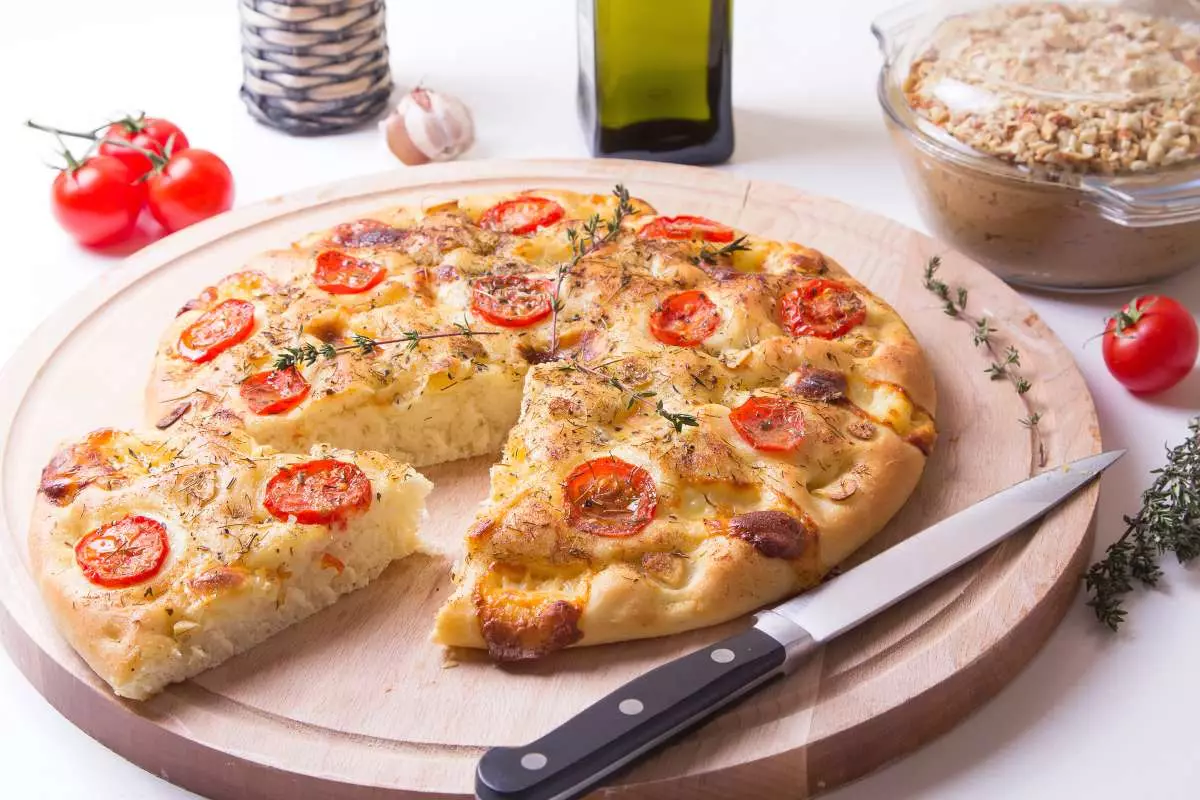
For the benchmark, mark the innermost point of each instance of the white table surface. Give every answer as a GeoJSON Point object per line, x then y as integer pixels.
{"type": "Point", "coordinates": [1093, 715]}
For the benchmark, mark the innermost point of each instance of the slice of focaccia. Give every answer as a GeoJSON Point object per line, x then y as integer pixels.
{"type": "Point", "coordinates": [160, 556]}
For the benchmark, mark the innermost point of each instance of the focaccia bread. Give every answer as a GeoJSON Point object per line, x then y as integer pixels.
{"type": "Point", "coordinates": [160, 556]}
{"type": "Point", "coordinates": [709, 421]}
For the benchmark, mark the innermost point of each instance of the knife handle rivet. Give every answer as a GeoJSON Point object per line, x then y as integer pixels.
{"type": "Point", "coordinates": [722, 655]}
{"type": "Point", "coordinates": [533, 761]}
{"type": "Point", "coordinates": [631, 706]}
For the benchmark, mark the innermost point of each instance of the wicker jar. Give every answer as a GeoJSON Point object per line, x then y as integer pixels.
{"type": "Point", "coordinates": [314, 66]}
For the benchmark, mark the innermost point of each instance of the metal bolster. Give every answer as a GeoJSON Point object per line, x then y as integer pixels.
{"type": "Point", "coordinates": [797, 643]}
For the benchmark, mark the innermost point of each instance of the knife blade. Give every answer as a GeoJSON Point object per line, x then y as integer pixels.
{"type": "Point", "coordinates": [649, 710]}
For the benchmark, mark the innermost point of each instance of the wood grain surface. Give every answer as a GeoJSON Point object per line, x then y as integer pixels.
{"type": "Point", "coordinates": [356, 702]}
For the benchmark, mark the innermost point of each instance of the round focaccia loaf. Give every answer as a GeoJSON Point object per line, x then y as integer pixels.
{"type": "Point", "coordinates": [708, 421]}
{"type": "Point", "coordinates": [213, 570]}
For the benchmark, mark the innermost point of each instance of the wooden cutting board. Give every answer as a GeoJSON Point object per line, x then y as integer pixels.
{"type": "Point", "coordinates": [355, 702]}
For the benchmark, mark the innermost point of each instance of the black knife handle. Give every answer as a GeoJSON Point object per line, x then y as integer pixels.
{"type": "Point", "coordinates": [636, 718]}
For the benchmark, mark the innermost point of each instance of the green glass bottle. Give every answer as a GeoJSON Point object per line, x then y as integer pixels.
{"type": "Point", "coordinates": [654, 79]}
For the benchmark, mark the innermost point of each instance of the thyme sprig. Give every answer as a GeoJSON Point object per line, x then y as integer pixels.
{"type": "Point", "coordinates": [1004, 362]}
{"type": "Point", "coordinates": [308, 354]}
{"type": "Point", "coordinates": [1168, 522]}
{"type": "Point", "coordinates": [585, 240]}
{"type": "Point", "coordinates": [678, 420]}
{"type": "Point", "coordinates": [710, 256]}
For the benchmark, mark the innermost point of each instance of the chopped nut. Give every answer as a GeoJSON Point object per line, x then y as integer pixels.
{"type": "Point", "coordinates": [1091, 88]}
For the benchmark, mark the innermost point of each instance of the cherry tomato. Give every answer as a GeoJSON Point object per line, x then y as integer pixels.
{"type": "Point", "coordinates": [521, 215]}
{"type": "Point", "coordinates": [772, 424]}
{"type": "Point", "coordinates": [511, 301]}
{"type": "Point", "coordinates": [822, 308]}
{"type": "Point", "coordinates": [122, 553]}
{"type": "Point", "coordinates": [148, 133]}
{"type": "Point", "coordinates": [609, 497]}
{"type": "Point", "coordinates": [685, 319]}
{"type": "Point", "coordinates": [366, 233]}
{"type": "Point", "coordinates": [339, 273]}
{"type": "Point", "coordinates": [687, 227]}
{"type": "Point", "coordinates": [318, 492]}
{"type": "Point", "coordinates": [274, 391]}
{"type": "Point", "coordinates": [217, 330]}
{"type": "Point", "coordinates": [98, 201]}
{"type": "Point", "coordinates": [1151, 344]}
{"type": "Point", "coordinates": [193, 185]}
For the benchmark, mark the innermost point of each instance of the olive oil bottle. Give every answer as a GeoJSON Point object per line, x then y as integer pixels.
{"type": "Point", "coordinates": [654, 79]}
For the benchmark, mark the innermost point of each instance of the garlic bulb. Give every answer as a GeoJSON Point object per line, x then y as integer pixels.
{"type": "Point", "coordinates": [428, 126]}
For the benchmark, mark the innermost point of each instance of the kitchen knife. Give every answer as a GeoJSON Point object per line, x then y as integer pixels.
{"type": "Point", "coordinates": [647, 711]}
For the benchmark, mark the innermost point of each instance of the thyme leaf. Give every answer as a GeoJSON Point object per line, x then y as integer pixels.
{"type": "Point", "coordinates": [308, 354]}
{"type": "Point", "coordinates": [678, 420]}
{"type": "Point", "coordinates": [709, 255]}
{"type": "Point", "coordinates": [583, 244]}
{"type": "Point", "coordinates": [1004, 363]}
{"type": "Point", "coordinates": [1168, 522]}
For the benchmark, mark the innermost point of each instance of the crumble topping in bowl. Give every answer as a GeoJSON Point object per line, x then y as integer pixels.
{"type": "Point", "coordinates": [1086, 88]}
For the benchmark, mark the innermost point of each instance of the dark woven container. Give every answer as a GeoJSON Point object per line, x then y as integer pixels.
{"type": "Point", "coordinates": [314, 66]}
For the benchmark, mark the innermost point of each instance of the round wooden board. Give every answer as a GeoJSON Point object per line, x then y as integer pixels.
{"type": "Point", "coordinates": [355, 702]}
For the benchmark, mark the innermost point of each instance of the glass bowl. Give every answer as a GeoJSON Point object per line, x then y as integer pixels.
{"type": "Point", "coordinates": [1067, 224]}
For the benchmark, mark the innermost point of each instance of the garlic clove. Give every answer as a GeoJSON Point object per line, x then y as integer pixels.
{"type": "Point", "coordinates": [428, 126]}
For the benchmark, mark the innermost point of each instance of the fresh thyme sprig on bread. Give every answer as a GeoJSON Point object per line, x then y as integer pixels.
{"type": "Point", "coordinates": [582, 244]}
{"type": "Point", "coordinates": [678, 420]}
{"type": "Point", "coordinates": [307, 354]}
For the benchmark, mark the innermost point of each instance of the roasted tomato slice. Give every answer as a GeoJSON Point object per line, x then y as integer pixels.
{"type": "Point", "coordinates": [318, 492]}
{"type": "Point", "coordinates": [366, 233]}
{"type": "Point", "coordinates": [274, 391]}
{"type": "Point", "coordinates": [687, 227]}
{"type": "Point", "coordinates": [822, 308]}
{"type": "Point", "coordinates": [769, 423]}
{"type": "Point", "coordinates": [338, 273]}
{"type": "Point", "coordinates": [122, 553]}
{"type": "Point", "coordinates": [521, 215]}
{"type": "Point", "coordinates": [217, 330]}
{"type": "Point", "coordinates": [685, 319]}
{"type": "Point", "coordinates": [512, 301]}
{"type": "Point", "coordinates": [610, 497]}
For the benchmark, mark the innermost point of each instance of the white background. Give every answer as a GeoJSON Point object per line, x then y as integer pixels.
{"type": "Point", "coordinates": [1093, 715]}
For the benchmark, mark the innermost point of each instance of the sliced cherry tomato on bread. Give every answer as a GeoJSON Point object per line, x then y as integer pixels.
{"type": "Point", "coordinates": [685, 228]}
{"type": "Point", "coordinates": [685, 319]}
{"type": "Point", "coordinates": [318, 492]}
{"type": "Point", "coordinates": [609, 497]}
{"type": "Point", "coordinates": [339, 273]}
{"type": "Point", "coordinates": [217, 330]}
{"type": "Point", "coordinates": [521, 215]}
{"type": "Point", "coordinates": [122, 553]}
{"type": "Point", "coordinates": [511, 301]}
{"type": "Point", "coordinates": [822, 308]}
{"type": "Point", "coordinates": [771, 424]}
{"type": "Point", "coordinates": [275, 391]}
